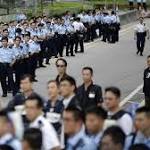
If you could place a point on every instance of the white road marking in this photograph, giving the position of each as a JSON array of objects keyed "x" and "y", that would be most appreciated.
[{"x": 126, "y": 99}]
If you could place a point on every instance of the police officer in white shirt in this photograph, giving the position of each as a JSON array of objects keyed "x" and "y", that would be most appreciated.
[
  {"x": 141, "y": 32},
  {"x": 34, "y": 113}
]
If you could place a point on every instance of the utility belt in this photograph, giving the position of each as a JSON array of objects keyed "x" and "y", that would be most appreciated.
[{"x": 142, "y": 34}]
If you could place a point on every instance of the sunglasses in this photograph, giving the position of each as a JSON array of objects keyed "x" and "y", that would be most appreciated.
[{"x": 60, "y": 66}]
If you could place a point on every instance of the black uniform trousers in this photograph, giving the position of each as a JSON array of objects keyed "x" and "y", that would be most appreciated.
[
  {"x": 70, "y": 44},
  {"x": 6, "y": 72},
  {"x": 32, "y": 65},
  {"x": 79, "y": 38},
  {"x": 140, "y": 42},
  {"x": 61, "y": 43},
  {"x": 147, "y": 101},
  {"x": 20, "y": 70},
  {"x": 41, "y": 56},
  {"x": 106, "y": 32}
]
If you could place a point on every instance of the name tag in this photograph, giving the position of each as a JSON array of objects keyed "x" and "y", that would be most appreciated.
[
  {"x": 148, "y": 76},
  {"x": 91, "y": 95}
]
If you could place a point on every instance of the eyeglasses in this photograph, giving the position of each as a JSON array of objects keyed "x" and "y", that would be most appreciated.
[{"x": 60, "y": 66}]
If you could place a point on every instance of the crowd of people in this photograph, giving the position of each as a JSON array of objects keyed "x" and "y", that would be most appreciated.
[
  {"x": 73, "y": 117},
  {"x": 140, "y": 4}
]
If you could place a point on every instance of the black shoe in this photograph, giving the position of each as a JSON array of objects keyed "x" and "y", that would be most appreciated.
[
  {"x": 4, "y": 95},
  {"x": 9, "y": 91},
  {"x": 137, "y": 52},
  {"x": 67, "y": 55},
  {"x": 141, "y": 54},
  {"x": 73, "y": 55}
]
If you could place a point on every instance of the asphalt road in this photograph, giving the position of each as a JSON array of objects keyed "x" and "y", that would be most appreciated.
[{"x": 113, "y": 64}]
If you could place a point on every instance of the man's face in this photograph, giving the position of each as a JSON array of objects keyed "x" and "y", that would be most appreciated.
[
  {"x": 26, "y": 85},
  {"x": 33, "y": 25},
  {"x": 61, "y": 67},
  {"x": 148, "y": 62},
  {"x": 52, "y": 90},
  {"x": 17, "y": 41},
  {"x": 66, "y": 88},
  {"x": 32, "y": 110},
  {"x": 87, "y": 76},
  {"x": 25, "y": 26},
  {"x": 5, "y": 43},
  {"x": 142, "y": 122},
  {"x": 110, "y": 100},
  {"x": 69, "y": 123},
  {"x": 141, "y": 20},
  {"x": 5, "y": 33},
  {"x": 93, "y": 123},
  {"x": 26, "y": 38},
  {"x": 108, "y": 144}
]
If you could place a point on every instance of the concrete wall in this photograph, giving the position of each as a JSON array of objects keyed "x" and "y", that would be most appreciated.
[{"x": 127, "y": 17}]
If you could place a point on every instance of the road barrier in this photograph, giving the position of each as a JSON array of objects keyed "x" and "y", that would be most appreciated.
[{"x": 128, "y": 17}]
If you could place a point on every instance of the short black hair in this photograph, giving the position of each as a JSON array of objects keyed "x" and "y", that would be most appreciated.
[
  {"x": 63, "y": 60},
  {"x": 4, "y": 38},
  {"x": 6, "y": 147},
  {"x": 70, "y": 79},
  {"x": 98, "y": 111},
  {"x": 143, "y": 109},
  {"x": 77, "y": 113},
  {"x": 88, "y": 68},
  {"x": 52, "y": 81},
  {"x": 27, "y": 76},
  {"x": 33, "y": 136},
  {"x": 116, "y": 91},
  {"x": 116, "y": 133},
  {"x": 18, "y": 37},
  {"x": 37, "y": 98},
  {"x": 139, "y": 147}
]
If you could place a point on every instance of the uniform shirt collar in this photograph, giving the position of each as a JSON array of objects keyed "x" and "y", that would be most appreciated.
[
  {"x": 74, "y": 139},
  {"x": 66, "y": 101},
  {"x": 36, "y": 121},
  {"x": 5, "y": 138}
]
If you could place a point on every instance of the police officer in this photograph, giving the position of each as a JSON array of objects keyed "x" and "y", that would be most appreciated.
[
  {"x": 19, "y": 64},
  {"x": 88, "y": 93},
  {"x": 61, "y": 29},
  {"x": 140, "y": 34},
  {"x": 79, "y": 36},
  {"x": 106, "y": 20},
  {"x": 7, "y": 60},
  {"x": 34, "y": 49},
  {"x": 74, "y": 130},
  {"x": 33, "y": 107},
  {"x": 146, "y": 87},
  {"x": 70, "y": 40}
]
